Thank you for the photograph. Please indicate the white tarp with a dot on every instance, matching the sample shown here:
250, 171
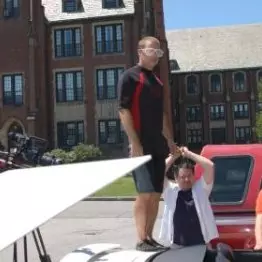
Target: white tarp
30, 197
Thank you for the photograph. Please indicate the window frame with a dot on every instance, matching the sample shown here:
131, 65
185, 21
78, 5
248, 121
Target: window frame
235, 113
107, 6
13, 91
241, 141
211, 82
11, 11
75, 89
194, 145
187, 84
259, 75
235, 82
197, 108
76, 48
210, 113
102, 42
249, 176
65, 6
105, 85
120, 138
65, 124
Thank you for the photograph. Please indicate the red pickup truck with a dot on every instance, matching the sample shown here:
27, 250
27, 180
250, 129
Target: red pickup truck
238, 179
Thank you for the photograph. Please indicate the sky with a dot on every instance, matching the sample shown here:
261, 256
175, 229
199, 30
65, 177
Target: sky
180, 14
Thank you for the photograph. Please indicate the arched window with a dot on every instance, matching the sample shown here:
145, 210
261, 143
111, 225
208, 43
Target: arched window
239, 82
192, 87
215, 83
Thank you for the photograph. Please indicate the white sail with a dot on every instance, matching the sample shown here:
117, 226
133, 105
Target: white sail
30, 197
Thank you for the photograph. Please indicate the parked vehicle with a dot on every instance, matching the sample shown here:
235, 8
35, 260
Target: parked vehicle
238, 173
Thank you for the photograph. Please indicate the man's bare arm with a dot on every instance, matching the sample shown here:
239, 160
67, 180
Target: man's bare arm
127, 122
166, 128
206, 164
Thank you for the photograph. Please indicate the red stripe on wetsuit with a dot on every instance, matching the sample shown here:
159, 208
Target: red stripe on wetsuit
135, 110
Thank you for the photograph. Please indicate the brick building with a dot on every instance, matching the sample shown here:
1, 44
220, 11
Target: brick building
215, 72
60, 64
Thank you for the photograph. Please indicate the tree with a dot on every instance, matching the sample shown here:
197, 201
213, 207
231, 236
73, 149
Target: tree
259, 111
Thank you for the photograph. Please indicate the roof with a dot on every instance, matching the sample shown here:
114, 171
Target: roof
92, 9
216, 48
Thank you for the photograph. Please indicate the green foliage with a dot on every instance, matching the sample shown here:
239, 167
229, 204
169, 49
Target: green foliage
86, 152
259, 112
80, 153
66, 157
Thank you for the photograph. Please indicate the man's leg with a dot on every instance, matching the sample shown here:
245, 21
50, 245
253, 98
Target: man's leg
141, 215
158, 181
153, 211
145, 188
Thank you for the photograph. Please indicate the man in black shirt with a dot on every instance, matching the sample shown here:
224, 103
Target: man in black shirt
141, 110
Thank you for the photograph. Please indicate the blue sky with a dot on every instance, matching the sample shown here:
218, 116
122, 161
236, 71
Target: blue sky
206, 13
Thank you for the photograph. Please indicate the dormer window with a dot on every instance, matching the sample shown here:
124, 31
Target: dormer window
112, 4
72, 6
173, 64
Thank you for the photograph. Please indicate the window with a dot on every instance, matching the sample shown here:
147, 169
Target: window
193, 114
192, 87
232, 176
109, 39
173, 64
11, 8
69, 86
194, 138
110, 132
13, 89
217, 112
72, 5
215, 82
242, 135
259, 76
239, 82
68, 42
218, 136
106, 80
241, 111
112, 3
70, 134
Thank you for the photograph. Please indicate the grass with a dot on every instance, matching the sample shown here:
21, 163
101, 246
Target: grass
122, 187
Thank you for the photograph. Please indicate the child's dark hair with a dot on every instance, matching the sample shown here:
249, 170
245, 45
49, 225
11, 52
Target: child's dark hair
181, 162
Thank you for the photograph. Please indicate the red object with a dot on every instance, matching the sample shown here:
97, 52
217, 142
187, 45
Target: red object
135, 110
2, 164
236, 220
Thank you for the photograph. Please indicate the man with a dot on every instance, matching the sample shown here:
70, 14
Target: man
258, 224
141, 110
188, 218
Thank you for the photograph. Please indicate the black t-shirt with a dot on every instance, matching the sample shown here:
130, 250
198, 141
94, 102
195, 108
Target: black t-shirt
141, 92
187, 229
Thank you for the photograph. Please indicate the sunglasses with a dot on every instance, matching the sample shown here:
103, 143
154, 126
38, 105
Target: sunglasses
152, 52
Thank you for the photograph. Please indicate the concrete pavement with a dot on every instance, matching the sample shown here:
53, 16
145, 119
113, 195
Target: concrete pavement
85, 223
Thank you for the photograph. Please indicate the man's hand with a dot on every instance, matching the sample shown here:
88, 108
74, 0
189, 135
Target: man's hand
185, 152
136, 150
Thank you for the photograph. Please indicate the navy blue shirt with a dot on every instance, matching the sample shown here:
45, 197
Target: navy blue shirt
187, 229
141, 92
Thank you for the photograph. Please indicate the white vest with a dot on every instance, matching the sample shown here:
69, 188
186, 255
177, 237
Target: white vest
200, 193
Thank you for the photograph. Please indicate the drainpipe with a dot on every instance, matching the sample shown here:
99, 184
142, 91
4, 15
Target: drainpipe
149, 19
153, 12
31, 95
